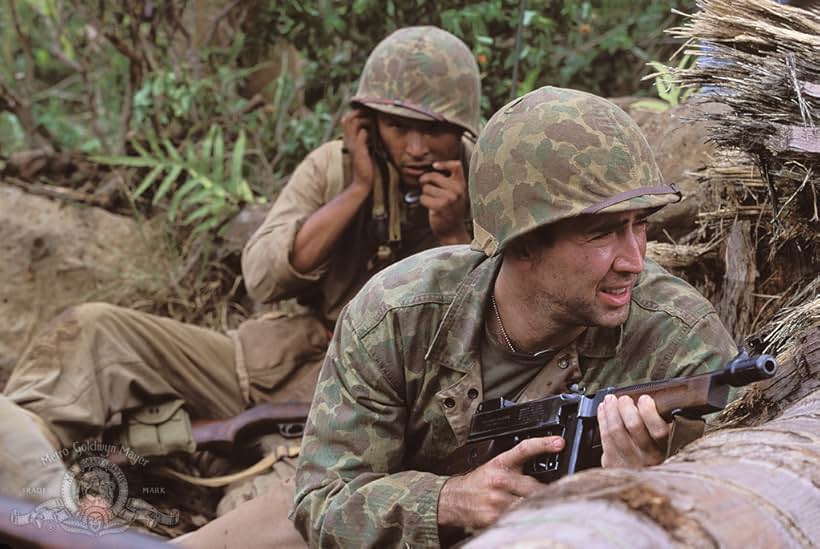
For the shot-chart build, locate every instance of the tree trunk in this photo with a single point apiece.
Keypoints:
(736, 306)
(754, 486)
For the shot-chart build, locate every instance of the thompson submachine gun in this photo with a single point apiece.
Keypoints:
(499, 424)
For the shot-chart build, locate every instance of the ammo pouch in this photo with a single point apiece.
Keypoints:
(158, 429)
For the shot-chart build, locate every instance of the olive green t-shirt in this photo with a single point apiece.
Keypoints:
(506, 374)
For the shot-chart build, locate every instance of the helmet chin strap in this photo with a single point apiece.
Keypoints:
(386, 212)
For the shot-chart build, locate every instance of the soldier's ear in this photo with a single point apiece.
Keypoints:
(524, 249)
(529, 248)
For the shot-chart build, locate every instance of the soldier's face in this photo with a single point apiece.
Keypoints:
(413, 145)
(584, 276)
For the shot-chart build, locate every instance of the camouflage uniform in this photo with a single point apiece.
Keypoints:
(403, 376)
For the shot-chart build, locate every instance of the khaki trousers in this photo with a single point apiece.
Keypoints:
(96, 361)
(258, 522)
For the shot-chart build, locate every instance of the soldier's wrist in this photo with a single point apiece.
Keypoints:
(359, 189)
(449, 513)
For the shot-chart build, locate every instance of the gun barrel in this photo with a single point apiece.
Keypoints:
(744, 369)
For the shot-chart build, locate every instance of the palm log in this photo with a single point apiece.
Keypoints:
(755, 484)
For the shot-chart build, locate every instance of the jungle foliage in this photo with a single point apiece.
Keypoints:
(206, 105)
(101, 76)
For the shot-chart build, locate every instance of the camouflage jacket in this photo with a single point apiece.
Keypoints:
(269, 275)
(402, 378)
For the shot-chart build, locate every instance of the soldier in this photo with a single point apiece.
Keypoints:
(553, 296)
(395, 185)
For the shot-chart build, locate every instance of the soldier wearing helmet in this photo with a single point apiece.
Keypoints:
(395, 185)
(554, 295)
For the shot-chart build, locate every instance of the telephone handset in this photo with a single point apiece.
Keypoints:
(375, 146)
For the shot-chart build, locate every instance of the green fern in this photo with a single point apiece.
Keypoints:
(211, 186)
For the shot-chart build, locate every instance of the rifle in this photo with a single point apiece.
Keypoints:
(222, 435)
(498, 424)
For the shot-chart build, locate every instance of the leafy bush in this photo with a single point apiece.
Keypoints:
(211, 191)
(102, 75)
(670, 92)
(601, 47)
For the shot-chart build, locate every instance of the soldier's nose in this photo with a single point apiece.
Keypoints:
(416, 144)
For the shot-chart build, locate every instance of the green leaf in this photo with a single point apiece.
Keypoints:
(654, 105)
(154, 144)
(202, 211)
(528, 16)
(204, 196)
(244, 192)
(131, 161)
(218, 159)
(207, 147)
(172, 151)
(236, 160)
(140, 149)
(528, 84)
(165, 186)
(148, 181)
(186, 188)
(207, 225)
(190, 154)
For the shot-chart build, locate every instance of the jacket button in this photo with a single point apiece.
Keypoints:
(473, 393)
(449, 402)
(563, 363)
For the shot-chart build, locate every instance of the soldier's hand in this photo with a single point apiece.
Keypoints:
(356, 128)
(477, 499)
(446, 198)
(632, 436)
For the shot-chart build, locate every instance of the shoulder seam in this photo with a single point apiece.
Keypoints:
(386, 371)
(422, 299)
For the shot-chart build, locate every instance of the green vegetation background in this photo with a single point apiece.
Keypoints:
(167, 91)
(90, 60)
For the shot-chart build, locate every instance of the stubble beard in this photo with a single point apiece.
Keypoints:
(586, 314)
(614, 318)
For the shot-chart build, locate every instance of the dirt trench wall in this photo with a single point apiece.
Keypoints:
(56, 254)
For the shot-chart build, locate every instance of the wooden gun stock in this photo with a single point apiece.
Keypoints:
(702, 394)
(222, 435)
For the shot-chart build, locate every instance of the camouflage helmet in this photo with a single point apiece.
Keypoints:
(424, 73)
(553, 154)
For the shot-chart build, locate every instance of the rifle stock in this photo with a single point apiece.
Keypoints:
(499, 425)
(222, 435)
(702, 394)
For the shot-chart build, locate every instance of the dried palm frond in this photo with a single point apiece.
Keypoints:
(802, 311)
(760, 62)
